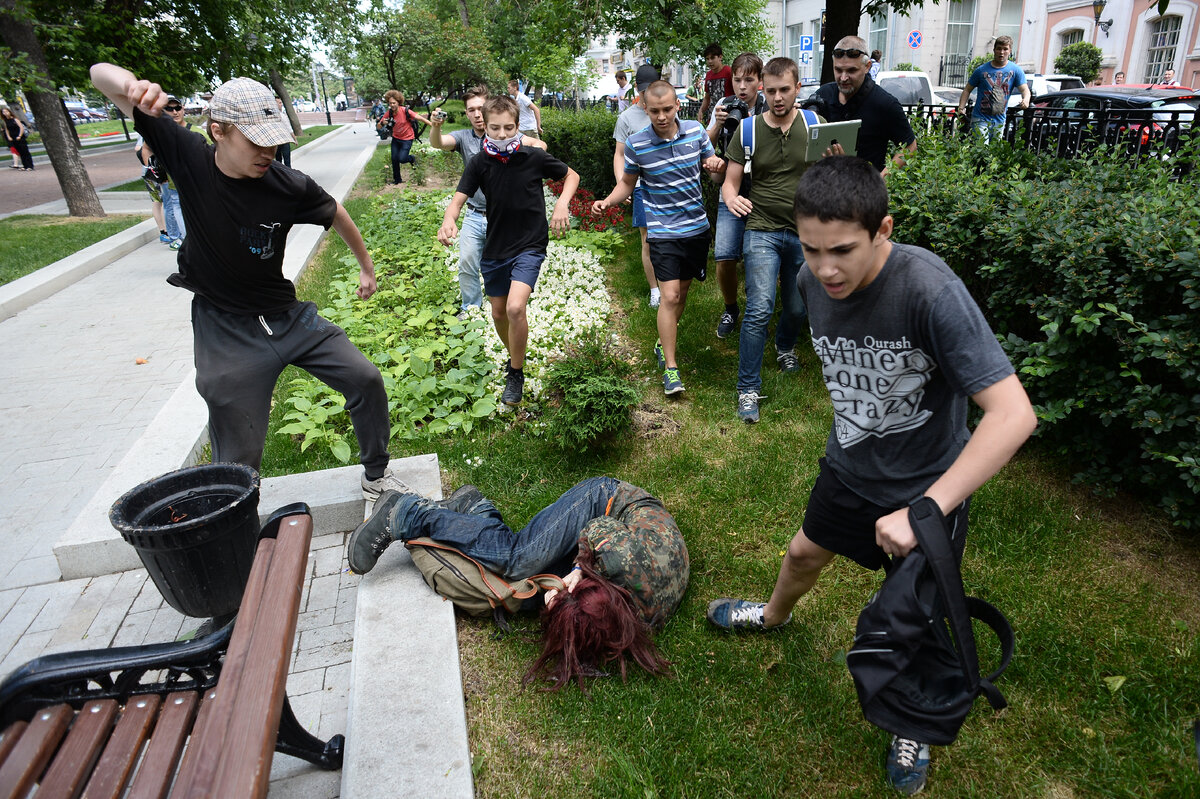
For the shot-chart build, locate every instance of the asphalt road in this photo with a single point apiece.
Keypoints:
(112, 167)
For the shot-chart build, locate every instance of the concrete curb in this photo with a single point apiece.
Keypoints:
(33, 288)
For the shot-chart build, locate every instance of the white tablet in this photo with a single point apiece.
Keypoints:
(821, 136)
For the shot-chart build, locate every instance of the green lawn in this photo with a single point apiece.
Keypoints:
(29, 242)
(1096, 590)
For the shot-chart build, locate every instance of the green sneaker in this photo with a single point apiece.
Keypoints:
(671, 382)
(658, 353)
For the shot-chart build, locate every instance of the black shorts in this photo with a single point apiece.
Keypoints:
(680, 259)
(841, 521)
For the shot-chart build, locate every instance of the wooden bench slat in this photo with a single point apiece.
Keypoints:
(200, 764)
(162, 754)
(76, 755)
(187, 768)
(8, 739)
(263, 685)
(33, 751)
(121, 754)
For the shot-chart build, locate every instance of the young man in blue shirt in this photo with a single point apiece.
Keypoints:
(995, 80)
(668, 156)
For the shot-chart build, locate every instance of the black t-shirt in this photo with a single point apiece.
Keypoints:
(237, 227)
(516, 210)
(883, 118)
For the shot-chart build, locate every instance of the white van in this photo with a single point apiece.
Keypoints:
(909, 88)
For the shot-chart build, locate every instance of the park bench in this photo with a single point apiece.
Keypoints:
(201, 718)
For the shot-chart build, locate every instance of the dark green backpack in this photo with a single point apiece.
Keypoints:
(472, 587)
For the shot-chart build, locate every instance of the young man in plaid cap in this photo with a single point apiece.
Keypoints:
(247, 324)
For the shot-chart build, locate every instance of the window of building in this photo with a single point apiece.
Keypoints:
(960, 27)
(1070, 37)
(794, 32)
(1164, 41)
(1009, 23)
(877, 38)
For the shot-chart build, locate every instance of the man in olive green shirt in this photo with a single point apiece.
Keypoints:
(770, 247)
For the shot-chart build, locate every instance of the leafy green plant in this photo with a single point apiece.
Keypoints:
(1089, 271)
(905, 66)
(591, 392)
(584, 139)
(1081, 59)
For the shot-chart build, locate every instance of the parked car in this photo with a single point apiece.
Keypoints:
(909, 88)
(1132, 115)
(1045, 84)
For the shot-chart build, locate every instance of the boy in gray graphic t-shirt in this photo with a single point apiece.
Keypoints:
(901, 346)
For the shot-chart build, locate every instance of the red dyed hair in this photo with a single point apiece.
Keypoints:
(590, 628)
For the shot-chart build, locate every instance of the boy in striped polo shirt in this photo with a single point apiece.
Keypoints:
(668, 155)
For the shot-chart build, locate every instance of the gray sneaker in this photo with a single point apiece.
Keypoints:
(737, 615)
(373, 489)
(462, 500)
(514, 387)
(659, 356)
(748, 406)
(373, 536)
(671, 382)
(727, 324)
(787, 360)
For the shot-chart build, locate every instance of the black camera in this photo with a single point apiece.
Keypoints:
(737, 110)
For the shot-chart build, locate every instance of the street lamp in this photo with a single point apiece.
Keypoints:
(325, 98)
(1098, 9)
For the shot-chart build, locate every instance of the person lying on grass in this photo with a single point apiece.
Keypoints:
(618, 550)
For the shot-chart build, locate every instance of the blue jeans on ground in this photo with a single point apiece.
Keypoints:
(771, 257)
(172, 213)
(401, 155)
(470, 252)
(548, 544)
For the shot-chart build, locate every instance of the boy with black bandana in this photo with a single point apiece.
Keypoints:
(247, 324)
(510, 175)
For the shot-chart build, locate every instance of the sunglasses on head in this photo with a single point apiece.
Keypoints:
(174, 108)
(839, 53)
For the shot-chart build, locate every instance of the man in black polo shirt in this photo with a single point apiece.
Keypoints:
(854, 95)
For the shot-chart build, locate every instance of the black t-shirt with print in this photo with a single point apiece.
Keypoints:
(236, 227)
(516, 208)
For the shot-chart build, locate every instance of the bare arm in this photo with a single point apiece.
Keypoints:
(1008, 419)
(619, 161)
(737, 205)
(123, 88)
(537, 115)
(346, 228)
(963, 98)
(529, 141)
(436, 139)
(449, 229)
(620, 193)
(561, 219)
(1025, 96)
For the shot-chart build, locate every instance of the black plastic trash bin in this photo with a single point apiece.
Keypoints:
(196, 530)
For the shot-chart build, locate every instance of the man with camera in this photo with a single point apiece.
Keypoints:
(854, 95)
(745, 101)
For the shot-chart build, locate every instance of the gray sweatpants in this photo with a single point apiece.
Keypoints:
(239, 360)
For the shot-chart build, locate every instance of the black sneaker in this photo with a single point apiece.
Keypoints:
(372, 537)
(514, 386)
(462, 500)
(727, 324)
(788, 361)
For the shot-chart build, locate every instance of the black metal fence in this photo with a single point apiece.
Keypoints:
(1070, 133)
(952, 70)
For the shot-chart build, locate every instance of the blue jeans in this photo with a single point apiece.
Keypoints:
(548, 544)
(401, 155)
(730, 231)
(771, 257)
(988, 129)
(470, 252)
(172, 213)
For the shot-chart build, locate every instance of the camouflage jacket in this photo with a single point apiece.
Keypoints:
(639, 547)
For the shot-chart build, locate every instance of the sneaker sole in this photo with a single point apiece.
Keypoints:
(670, 392)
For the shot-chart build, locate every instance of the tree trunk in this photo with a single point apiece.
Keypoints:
(462, 13)
(841, 19)
(16, 31)
(281, 90)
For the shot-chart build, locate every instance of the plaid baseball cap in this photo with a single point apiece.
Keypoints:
(250, 107)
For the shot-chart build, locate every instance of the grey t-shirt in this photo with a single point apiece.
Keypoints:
(468, 146)
(899, 359)
(629, 122)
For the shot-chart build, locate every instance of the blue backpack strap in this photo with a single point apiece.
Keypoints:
(746, 129)
(810, 117)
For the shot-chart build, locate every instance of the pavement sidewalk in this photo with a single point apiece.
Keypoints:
(75, 402)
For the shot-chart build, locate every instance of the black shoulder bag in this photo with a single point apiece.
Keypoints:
(914, 661)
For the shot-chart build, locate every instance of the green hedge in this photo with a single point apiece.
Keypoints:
(584, 140)
(1088, 270)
